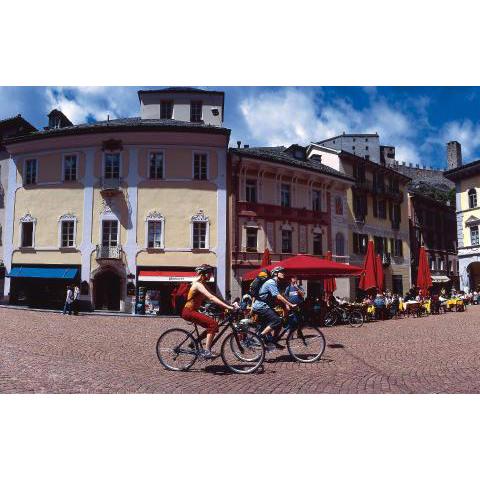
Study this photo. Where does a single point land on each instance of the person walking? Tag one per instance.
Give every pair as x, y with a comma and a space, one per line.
68, 301
76, 299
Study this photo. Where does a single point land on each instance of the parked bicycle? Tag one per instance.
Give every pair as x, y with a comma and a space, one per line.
305, 342
242, 350
338, 314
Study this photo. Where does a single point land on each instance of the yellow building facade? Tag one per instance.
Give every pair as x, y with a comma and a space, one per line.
115, 205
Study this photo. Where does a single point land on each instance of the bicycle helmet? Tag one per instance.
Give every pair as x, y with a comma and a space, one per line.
204, 269
276, 270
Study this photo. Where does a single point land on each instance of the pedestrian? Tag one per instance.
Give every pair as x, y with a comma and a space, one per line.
68, 301
76, 299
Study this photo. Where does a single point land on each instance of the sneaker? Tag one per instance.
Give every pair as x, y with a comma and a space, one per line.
267, 341
207, 354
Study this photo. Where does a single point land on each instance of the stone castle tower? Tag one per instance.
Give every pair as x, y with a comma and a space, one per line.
454, 155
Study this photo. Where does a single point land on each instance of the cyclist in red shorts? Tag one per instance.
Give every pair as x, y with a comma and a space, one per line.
196, 295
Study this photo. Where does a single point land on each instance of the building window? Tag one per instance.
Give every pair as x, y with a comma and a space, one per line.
340, 244
317, 244
366, 147
252, 234
382, 208
474, 235
70, 168
166, 109
200, 166
472, 198
397, 284
68, 233
353, 148
338, 206
360, 242
286, 241
367, 157
156, 165
285, 195
112, 165
316, 200
155, 232
109, 233
195, 111
199, 235
31, 171
398, 248
27, 234
251, 190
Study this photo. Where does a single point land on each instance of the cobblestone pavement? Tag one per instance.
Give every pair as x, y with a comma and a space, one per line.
46, 352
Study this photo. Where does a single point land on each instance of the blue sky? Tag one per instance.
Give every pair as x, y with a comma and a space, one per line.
418, 121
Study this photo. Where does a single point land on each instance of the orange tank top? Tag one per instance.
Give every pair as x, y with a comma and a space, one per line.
194, 299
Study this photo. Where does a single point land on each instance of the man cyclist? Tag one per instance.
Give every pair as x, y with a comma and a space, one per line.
196, 295
263, 306
295, 295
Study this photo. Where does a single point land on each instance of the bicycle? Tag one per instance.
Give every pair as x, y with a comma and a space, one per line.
242, 350
337, 313
305, 342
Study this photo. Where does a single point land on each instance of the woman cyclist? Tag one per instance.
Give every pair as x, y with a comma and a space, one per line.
196, 295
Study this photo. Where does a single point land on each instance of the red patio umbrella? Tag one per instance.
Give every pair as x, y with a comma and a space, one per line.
329, 284
266, 258
380, 275
368, 279
309, 267
424, 278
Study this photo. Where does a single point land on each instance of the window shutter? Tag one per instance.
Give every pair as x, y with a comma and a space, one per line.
375, 208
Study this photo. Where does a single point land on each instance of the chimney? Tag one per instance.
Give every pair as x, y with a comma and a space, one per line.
246, 146
454, 155
239, 143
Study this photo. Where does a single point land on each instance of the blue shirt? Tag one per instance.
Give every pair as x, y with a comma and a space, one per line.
267, 294
293, 295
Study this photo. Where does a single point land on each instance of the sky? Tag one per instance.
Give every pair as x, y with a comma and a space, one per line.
418, 121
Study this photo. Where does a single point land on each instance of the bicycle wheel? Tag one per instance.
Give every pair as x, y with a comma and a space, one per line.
243, 352
306, 343
355, 318
330, 319
177, 349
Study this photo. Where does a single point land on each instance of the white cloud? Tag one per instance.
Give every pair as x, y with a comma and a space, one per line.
292, 115
80, 103
466, 132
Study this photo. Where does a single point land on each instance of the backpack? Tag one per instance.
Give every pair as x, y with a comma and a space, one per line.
179, 296
257, 284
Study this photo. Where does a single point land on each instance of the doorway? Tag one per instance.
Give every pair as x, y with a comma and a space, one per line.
106, 291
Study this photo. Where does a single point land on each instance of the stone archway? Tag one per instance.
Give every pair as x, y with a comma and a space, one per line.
108, 286
473, 270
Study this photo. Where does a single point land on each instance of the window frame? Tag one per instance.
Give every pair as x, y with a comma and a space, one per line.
25, 163
163, 102
200, 217
249, 229
104, 164
289, 187
472, 198
340, 236
61, 221
207, 157
290, 239
149, 159
316, 197
27, 219
109, 219
474, 228
254, 183
64, 169
196, 102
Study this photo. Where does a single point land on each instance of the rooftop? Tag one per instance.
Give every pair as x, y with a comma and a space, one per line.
285, 156
349, 135
122, 124
182, 90
463, 171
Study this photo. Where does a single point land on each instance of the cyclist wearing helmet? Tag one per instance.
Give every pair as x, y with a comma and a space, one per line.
263, 306
196, 295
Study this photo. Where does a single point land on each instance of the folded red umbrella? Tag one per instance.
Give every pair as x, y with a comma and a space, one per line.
329, 284
368, 279
266, 258
380, 275
424, 277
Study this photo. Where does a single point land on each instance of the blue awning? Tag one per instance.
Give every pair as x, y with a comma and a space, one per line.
39, 272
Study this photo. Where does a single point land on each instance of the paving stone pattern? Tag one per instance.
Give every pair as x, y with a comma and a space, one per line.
44, 352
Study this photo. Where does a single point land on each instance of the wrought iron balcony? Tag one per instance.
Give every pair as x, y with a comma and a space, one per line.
109, 252
110, 185
386, 259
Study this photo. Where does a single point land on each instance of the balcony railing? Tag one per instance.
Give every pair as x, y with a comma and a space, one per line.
395, 224
285, 213
386, 259
359, 217
109, 252
111, 185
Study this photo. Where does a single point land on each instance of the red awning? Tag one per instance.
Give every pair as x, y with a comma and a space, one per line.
166, 276
309, 267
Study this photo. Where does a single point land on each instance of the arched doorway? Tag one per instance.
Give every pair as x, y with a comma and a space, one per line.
106, 290
474, 276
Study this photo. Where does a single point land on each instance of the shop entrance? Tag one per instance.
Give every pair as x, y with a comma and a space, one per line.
106, 291
474, 276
